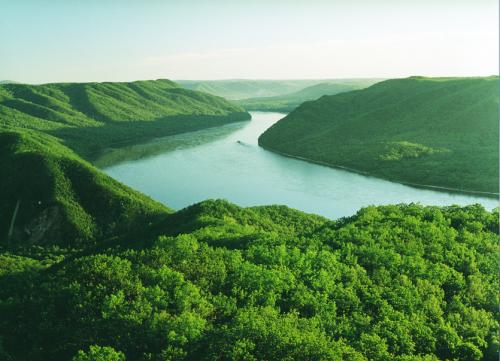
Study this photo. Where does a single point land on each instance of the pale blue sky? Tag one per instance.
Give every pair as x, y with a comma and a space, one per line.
97, 40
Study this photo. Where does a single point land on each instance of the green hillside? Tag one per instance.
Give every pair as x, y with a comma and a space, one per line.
439, 132
60, 198
288, 102
91, 116
219, 282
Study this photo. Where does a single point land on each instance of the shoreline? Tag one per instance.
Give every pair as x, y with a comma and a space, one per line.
151, 135
491, 195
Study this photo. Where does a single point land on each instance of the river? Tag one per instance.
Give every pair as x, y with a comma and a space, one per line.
226, 162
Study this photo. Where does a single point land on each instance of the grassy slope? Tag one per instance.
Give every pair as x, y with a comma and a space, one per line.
288, 102
63, 200
92, 116
429, 131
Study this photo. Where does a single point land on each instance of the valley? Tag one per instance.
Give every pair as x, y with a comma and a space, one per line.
288, 102
132, 262
219, 180
226, 162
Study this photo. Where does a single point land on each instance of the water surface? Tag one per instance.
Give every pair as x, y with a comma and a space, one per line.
226, 162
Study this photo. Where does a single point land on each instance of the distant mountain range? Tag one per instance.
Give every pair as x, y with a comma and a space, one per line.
288, 102
237, 89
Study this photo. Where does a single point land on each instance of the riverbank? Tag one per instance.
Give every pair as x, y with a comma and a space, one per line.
416, 185
182, 170
428, 132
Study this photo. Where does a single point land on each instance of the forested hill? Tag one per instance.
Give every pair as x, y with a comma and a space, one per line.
425, 131
218, 282
92, 116
51, 197
288, 102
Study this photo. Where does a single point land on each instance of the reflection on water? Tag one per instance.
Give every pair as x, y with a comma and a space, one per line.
226, 162
157, 146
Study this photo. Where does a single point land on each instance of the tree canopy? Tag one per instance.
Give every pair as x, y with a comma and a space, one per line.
402, 282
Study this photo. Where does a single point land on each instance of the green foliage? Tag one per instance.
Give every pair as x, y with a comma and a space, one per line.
406, 150
220, 282
91, 116
60, 198
97, 353
50, 195
288, 102
423, 131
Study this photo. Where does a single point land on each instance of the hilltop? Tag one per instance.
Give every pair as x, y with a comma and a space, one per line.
288, 102
91, 116
440, 132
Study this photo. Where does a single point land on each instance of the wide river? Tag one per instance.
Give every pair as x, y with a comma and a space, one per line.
226, 162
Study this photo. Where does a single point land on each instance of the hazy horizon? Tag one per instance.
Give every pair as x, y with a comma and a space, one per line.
82, 41
243, 79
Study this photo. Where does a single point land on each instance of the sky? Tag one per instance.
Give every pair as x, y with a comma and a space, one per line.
109, 40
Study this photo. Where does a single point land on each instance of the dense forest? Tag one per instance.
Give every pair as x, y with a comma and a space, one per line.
89, 117
219, 282
423, 131
288, 102
93, 270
